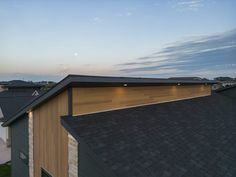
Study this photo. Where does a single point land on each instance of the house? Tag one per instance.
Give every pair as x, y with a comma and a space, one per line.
2, 85
91, 126
14, 96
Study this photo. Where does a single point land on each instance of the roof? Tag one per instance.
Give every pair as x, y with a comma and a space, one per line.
187, 78
194, 137
226, 88
12, 101
21, 84
90, 81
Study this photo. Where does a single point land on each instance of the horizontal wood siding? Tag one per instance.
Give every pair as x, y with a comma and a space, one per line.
96, 99
50, 138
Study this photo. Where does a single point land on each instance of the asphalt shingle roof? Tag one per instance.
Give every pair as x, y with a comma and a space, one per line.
188, 138
12, 101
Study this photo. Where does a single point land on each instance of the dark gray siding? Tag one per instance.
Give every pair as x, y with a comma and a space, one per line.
90, 165
19, 140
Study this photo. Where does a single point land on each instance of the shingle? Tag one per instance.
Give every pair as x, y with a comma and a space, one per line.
195, 137
12, 101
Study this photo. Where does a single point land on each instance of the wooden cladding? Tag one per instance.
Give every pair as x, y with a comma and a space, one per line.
96, 99
50, 138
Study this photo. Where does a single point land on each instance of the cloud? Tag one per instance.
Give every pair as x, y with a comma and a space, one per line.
212, 55
96, 20
189, 5
126, 14
129, 13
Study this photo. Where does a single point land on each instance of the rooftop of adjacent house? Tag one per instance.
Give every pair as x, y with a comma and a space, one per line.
12, 101
91, 81
226, 88
194, 137
21, 84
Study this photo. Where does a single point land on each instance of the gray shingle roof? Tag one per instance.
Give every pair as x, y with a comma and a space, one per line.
12, 101
189, 138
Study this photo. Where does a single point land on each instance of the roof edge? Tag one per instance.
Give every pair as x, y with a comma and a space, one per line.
68, 128
88, 79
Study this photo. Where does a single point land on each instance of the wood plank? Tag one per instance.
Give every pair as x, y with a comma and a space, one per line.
50, 138
96, 99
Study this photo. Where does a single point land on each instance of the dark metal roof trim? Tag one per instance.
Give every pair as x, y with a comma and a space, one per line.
80, 80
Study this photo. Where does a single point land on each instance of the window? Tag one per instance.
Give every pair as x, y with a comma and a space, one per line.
44, 173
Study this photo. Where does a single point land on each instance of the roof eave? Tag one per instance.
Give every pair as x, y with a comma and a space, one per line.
82, 79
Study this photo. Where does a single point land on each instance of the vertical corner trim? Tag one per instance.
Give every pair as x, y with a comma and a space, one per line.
70, 99
72, 156
31, 144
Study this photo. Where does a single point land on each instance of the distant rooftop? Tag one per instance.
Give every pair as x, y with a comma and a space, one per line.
188, 78
12, 101
21, 84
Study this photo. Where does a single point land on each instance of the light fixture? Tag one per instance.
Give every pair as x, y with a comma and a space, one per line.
125, 85
179, 84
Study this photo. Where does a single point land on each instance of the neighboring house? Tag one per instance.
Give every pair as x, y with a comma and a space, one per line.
124, 135
2, 84
223, 84
228, 91
16, 94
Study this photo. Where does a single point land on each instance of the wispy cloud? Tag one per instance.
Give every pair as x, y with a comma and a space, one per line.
96, 20
215, 55
183, 5
125, 14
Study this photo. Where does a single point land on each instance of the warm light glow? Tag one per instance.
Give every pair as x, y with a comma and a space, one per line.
30, 114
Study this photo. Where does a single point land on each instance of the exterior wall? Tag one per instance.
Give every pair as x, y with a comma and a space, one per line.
19, 140
31, 145
3, 133
72, 156
2, 88
50, 146
97, 99
50, 139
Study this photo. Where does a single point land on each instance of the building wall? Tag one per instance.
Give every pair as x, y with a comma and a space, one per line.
19, 140
72, 156
96, 99
50, 138
31, 144
3, 133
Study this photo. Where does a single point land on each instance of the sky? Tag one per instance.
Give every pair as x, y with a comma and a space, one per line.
49, 39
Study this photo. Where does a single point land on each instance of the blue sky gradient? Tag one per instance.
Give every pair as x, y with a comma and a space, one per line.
49, 39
